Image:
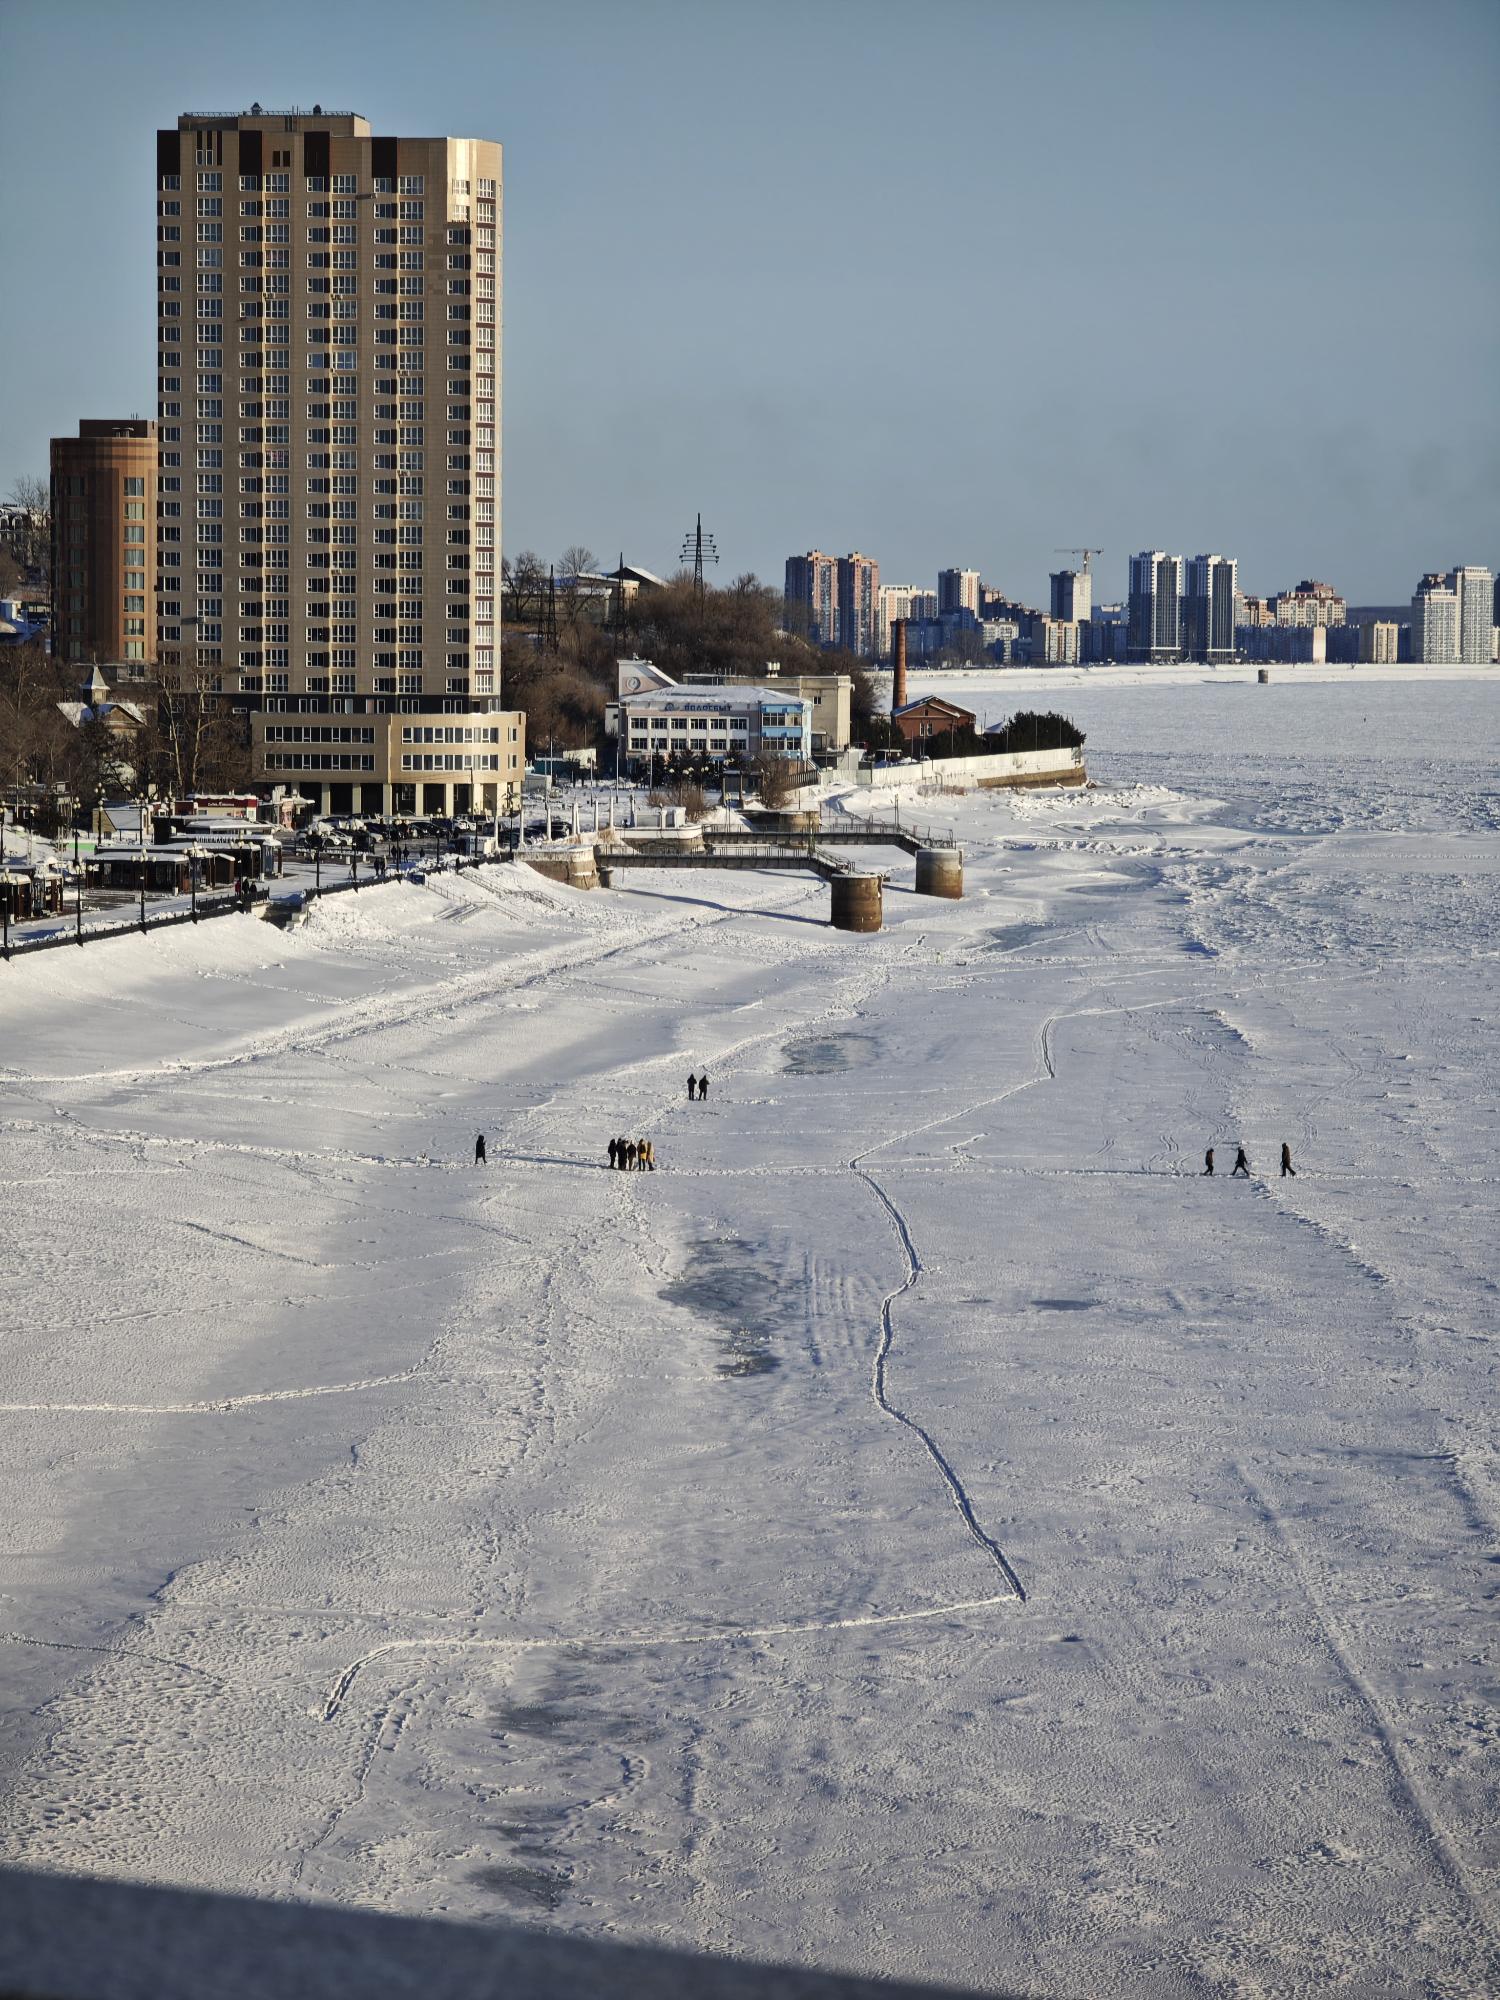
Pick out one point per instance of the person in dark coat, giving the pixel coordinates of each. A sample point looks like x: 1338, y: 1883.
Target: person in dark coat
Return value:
x: 703, y: 1087
x: 614, y: 1148
x: 479, y: 1153
x: 629, y: 1154
x: 1208, y: 1161
x: 1241, y: 1164
x: 1286, y: 1161
x: 692, y: 1086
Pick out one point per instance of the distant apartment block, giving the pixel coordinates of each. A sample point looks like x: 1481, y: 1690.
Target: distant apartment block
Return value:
x: 1474, y: 586
x: 328, y: 336
x: 1055, y: 642
x: 1311, y: 603
x: 958, y: 590
x: 893, y: 602
x: 858, y: 604
x: 104, y: 541
x: 811, y: 597
x: 1156, y: 591
x: 1290, y: 644
x: 1380, y: 642
x: 1072, y: 595
x: 1434, y: 620
x: 1209, y: 609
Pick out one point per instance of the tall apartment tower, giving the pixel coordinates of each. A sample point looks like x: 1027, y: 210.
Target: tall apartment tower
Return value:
x: 1434, y: 620
x: 328, y: 348
x: 1208, y: 608
x: 958, y: 590
x: 1155, y: 618
x: 1474, y: 586
x: 892, y: 604
x: 1072, y: 595
x: 859, y: 603
x: 811, y: 597
x: 104, y: 542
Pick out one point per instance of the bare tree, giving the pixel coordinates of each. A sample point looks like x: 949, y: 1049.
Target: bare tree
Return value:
x: 576, y: 560
x: 34, y: 497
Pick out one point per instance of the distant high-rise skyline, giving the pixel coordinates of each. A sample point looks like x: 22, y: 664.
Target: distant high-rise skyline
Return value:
x: 1474, y: 586
x: 1208, y: 609
x: 958, y: 590
x: 1434, y: 619
x: 1071, y: 594
x: 859, y: 594
x: 811, y: 596
x: 1156, y: 588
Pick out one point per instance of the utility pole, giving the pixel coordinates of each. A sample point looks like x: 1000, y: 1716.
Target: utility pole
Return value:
x: 698, y: 549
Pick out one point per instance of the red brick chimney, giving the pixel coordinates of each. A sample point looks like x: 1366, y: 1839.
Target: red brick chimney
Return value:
x: 898, y: 674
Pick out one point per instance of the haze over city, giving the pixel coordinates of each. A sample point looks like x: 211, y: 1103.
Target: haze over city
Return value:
x: 951, y: 286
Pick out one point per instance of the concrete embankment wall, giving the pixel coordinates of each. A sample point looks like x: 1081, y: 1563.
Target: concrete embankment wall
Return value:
x: 1014, y: 768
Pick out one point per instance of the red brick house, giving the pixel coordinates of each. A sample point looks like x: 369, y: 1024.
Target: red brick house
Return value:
x: 931, y: 716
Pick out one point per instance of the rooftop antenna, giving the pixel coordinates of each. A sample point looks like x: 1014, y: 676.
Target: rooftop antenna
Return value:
x: 699, y: 549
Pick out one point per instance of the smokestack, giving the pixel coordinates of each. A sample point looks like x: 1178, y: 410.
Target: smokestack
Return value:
x: 898, y: 675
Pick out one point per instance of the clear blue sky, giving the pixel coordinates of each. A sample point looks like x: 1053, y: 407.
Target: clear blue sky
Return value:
x: 947, y: 282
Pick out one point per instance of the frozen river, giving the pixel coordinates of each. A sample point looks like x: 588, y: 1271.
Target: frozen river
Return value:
x: 925, y: 1528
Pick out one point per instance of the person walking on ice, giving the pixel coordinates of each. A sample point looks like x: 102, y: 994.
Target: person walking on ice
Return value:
x: 614, y: 1147
x: 1208, y: 1161
x: 649, y: 1149
x: 692, y: 1087
x: 1241, y: 1164
x: 1286, y: 1161
x: 703, y: 1088
x: 479, y: 1153
x: 629, y: 1154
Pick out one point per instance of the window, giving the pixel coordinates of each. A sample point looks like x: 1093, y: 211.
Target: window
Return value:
x: 135, y: 486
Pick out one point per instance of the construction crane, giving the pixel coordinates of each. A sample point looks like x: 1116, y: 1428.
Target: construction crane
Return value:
x: 1085, y: 553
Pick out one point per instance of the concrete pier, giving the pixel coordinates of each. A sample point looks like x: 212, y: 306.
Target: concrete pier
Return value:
x: 858, y: 904
x: 940, y: 872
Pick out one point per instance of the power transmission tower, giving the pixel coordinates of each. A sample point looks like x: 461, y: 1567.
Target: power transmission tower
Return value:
x: 698, y: 549
x: 549, y: 626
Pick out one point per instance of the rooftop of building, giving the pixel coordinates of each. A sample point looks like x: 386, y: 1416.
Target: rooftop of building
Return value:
x: 113, y: 427
x: 297, y: 116
x: 712, y: 697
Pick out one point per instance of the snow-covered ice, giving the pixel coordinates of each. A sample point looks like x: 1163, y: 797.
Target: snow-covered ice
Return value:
x: 924, y: 1528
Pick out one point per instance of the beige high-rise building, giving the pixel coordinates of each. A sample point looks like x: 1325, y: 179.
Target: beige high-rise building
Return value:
x: 104, y: 542
x: 329, y: 419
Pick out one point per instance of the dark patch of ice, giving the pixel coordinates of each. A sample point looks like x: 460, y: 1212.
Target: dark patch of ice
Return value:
x: 1066, y: 1305
x: 826, y: 1055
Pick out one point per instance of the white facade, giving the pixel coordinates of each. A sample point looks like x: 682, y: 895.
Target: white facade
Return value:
x: 1434, y: 621
x: 715, y: 723
x: 958, y: 590
x: 1474, y: 587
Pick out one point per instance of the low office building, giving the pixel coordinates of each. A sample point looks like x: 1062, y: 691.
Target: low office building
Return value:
x: 831, y: 696
x: 387, y: 765
x: 713, y: 724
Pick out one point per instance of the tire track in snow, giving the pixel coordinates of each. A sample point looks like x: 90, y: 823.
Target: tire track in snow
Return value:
x: 1407, y: 1785
x: 222, y: 1406
x: 727, y: 1635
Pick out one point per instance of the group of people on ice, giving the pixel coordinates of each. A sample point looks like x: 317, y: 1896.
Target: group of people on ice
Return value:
x: 638, y: 1155
x: 1242, y: 1164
